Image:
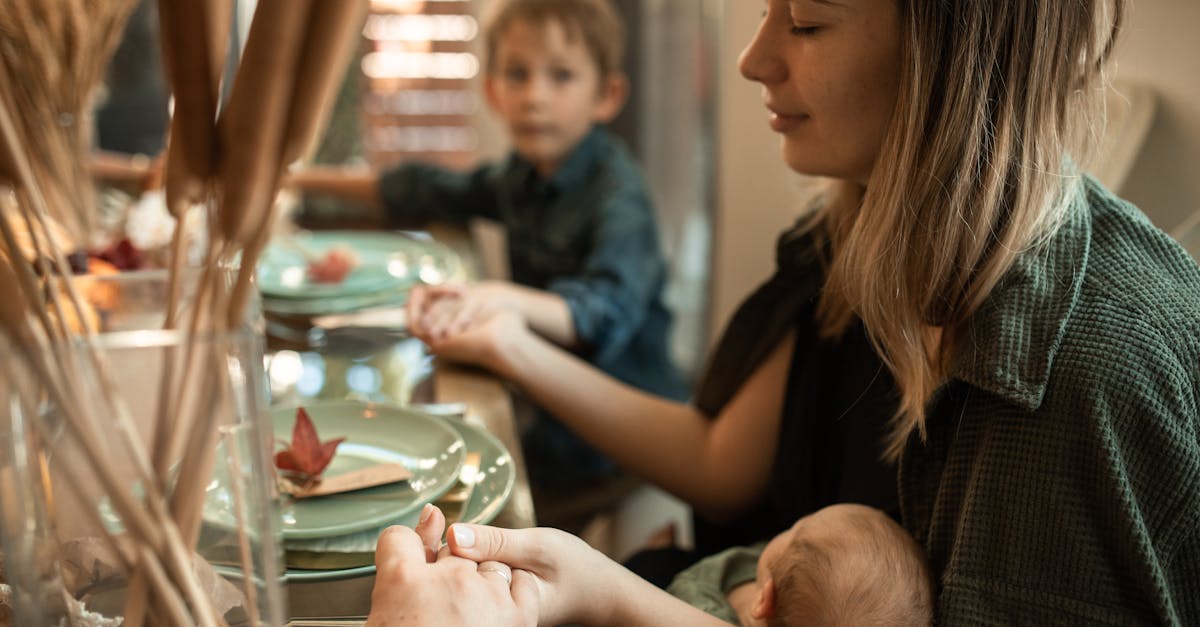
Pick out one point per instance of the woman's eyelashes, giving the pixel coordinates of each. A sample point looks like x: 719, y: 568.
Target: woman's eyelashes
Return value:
x: 804, y: 31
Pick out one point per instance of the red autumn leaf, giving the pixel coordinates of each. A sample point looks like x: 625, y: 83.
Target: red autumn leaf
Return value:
x: 308, y: 455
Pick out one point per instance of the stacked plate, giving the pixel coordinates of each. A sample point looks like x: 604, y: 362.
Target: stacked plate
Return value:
x: 332, y: 537
x: 388, y: 265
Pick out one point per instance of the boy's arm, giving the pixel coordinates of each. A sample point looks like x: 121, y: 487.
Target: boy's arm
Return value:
x: 547, y: 313
x: 429, y: 192
x: 405, y: 195
x: 360, y: 185
x: 622, y: 276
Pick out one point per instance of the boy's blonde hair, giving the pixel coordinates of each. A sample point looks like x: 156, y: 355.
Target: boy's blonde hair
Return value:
x: 996, y: 102
x: 595, y: 21
x: 870, y: 573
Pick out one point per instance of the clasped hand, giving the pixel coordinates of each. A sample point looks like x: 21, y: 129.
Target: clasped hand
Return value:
x: 468, y: 323
x: 484, y: 576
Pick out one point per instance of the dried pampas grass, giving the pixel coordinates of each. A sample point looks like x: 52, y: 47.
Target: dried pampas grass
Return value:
x: 53, y: 53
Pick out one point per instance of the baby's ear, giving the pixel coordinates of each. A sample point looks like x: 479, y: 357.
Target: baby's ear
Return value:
x: 613, y: 91
x: 765, y: 607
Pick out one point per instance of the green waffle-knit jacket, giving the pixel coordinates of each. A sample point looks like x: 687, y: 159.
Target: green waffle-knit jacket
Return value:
x: 1060, y: 481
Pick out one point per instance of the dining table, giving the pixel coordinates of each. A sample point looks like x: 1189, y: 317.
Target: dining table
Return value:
x: 368, y: 356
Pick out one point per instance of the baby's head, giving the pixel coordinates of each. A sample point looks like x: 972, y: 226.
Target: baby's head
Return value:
x: 553, y: 71
x: 844, y: 565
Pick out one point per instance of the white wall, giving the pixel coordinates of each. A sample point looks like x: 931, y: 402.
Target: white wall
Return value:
x: 1161, y: 49
x: 758, y: 197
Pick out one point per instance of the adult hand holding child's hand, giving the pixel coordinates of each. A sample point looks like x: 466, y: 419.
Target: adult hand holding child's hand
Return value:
x: 440, y: 311
x: 488, y: 341
x: 417, y: 583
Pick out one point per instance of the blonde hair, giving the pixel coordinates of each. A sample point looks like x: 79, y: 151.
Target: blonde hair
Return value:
x: 975, y: 170
x: 596, y: 21
x: 871, y: 572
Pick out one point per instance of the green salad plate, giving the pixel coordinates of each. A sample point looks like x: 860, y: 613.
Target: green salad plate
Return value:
x: 375, y: 433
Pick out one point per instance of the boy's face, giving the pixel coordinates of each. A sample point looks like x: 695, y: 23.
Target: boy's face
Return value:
x: 547, y: 88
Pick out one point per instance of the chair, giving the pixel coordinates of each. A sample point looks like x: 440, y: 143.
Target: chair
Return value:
x: 1130, y: 109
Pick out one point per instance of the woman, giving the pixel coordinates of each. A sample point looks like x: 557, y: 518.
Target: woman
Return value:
x: 1043, y: 336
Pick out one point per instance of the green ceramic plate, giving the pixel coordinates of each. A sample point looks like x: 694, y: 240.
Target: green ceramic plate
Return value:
x: 353, y: 555
x: 374, y: 434
x: 388, y: 262
x: 338, y: 305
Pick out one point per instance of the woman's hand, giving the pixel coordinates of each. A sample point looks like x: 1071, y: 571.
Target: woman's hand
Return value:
x: 575, y: 582
x: 416, y: 584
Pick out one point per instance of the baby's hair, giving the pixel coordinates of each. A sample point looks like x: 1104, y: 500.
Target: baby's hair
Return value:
x: 873, y: 573
x: 596, y: 21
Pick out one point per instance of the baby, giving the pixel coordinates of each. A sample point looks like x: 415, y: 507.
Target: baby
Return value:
x: 840, y: 566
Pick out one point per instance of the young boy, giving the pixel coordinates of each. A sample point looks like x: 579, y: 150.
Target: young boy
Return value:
x: 586, y: 264
x: 839, y: 566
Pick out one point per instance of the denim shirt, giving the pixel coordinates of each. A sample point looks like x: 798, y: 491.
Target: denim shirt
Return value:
x: 587, y: 233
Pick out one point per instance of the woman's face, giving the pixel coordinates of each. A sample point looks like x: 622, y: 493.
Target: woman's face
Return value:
x: 830, y: 71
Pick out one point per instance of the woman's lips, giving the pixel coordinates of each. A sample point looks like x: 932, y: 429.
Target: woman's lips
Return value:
x: 782, y: 123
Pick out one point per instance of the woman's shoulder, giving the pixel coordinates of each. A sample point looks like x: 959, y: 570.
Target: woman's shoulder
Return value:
x: 1108, y: 293
x: 1131, y: 341
x: 1137, y: 279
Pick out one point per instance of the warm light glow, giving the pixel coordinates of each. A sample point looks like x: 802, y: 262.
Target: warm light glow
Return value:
x: 285, y: 368
x: 439, y: 65
x: 407, y: 6
x: 423, y: 139
x: 421, y: 28
x: 422, y: 102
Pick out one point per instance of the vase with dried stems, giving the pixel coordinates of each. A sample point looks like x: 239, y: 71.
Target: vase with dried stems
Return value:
x: 157, y: 505
x: 135, y: 482
x: 52, y: 55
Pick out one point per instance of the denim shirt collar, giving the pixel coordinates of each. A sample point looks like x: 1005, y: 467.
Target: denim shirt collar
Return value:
x: 570, y: 174
x: 1011, y: 342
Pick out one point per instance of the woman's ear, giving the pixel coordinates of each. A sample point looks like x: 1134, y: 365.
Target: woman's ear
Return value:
x: 765, y: 607
x: 613, y: 92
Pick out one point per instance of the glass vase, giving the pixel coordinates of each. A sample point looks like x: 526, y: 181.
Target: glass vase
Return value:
x: 136, y: 484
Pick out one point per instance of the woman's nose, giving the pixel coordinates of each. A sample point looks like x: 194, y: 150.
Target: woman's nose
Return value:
x: 758, y: 61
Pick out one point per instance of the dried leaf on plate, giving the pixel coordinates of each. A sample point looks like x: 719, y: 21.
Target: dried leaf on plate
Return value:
x: 308, y: 456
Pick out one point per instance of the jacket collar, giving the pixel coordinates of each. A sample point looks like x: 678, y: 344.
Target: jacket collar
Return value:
x: 1011, y: 342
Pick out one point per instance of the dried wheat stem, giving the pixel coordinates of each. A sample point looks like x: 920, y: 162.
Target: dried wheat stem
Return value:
x: 172, y: 602
x: 232, y: 458
x: 170, y: 442
x: 144, y: 556
x: 22, y: 275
